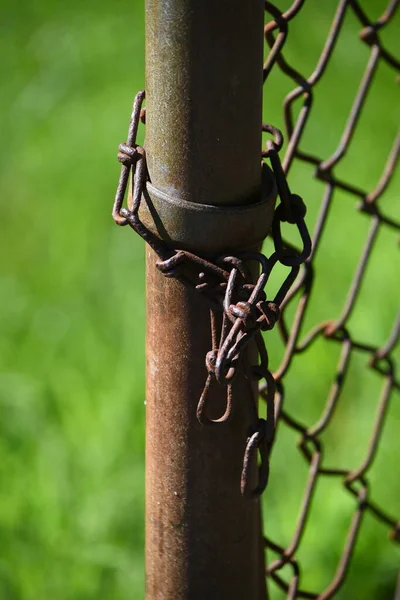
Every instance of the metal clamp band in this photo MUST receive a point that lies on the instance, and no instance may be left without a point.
(206, 228)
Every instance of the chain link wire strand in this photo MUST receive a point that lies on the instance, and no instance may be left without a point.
(247, 311)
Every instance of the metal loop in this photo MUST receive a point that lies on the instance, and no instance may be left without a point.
(261, 438)
(204, 404)
(128, 154)
(255, 442)
(275, 144)
(290, 259)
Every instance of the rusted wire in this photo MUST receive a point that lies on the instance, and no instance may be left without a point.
(226, 284)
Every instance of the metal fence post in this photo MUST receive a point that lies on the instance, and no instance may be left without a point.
(203, 139)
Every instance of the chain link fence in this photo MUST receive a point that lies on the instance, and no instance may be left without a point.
(297, 109)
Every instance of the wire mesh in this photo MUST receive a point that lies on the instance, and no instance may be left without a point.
(297, 108)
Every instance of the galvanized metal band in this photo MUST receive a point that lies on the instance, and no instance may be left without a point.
(207, 228)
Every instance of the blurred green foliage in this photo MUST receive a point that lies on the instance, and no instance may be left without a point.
(72, 307)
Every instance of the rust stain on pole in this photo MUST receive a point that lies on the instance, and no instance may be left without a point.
(203, 141)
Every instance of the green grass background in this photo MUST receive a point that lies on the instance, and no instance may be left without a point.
(72, 307)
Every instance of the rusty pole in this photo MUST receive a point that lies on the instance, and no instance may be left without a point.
(203, 140)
